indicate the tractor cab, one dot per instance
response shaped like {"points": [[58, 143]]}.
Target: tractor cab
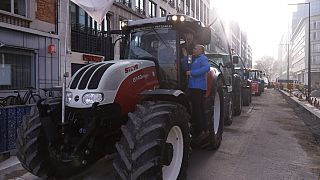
{"points": [[159, 40]]}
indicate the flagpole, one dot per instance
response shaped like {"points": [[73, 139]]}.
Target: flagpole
{"points": [[65, 67]]}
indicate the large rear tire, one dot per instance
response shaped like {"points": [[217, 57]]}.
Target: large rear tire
{"points": [[155, 143], [215, 119], [246, 97], [237, 101]]}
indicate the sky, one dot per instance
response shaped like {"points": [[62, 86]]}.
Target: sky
{"points": [[265, 21]]}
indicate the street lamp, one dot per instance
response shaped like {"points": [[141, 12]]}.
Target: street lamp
{"points": [[288, 62], [309, 50]]}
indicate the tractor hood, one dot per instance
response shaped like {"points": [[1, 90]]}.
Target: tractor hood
{"points": [[99, 82]]}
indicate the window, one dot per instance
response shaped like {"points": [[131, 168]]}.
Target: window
{"points": [[187, 7], [315, 48], [163, 12], [197, 11], [82, 15], [20, 7], [17, 69], [182, 5], [121, 23], [5, 5], [14, 6], [73, 13], [315, 60], [201, 11], [87, 36], [140, 6], [152, 9], [314, 26]]}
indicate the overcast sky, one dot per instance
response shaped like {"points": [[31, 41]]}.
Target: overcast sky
{"points": [[265, 21]]}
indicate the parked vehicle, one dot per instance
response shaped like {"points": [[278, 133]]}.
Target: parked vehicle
{"points": [[257, 83], [224, 64], [243, 72], [136, 106], [246, 85]]}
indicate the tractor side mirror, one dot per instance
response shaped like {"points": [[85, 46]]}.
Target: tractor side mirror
{"points": [[235, 59], [205, 36]]}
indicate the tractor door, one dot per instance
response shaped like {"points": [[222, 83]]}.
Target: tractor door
{"points": [[157, 44]]}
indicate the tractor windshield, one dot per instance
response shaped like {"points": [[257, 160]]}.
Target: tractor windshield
{"points": [[254, 75], [152, 43], [218, 59]]}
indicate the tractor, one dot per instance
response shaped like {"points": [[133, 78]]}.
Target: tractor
{"points": [[136, 106], [257, 83], [243, 72], [232, 98]]}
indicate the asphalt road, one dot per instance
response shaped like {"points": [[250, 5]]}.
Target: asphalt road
{"points": [[267, 141]]}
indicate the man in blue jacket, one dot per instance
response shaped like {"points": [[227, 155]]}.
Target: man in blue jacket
{"points": [[197, 84]]}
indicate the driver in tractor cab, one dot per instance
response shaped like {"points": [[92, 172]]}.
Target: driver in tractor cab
{"points": [[189, 44], [186, 49], [196, 71]]}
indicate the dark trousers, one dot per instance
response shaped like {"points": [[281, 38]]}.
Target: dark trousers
{"points": [[198, 118]]}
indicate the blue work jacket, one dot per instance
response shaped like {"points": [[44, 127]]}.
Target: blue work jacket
{"points": [[198, 68]]}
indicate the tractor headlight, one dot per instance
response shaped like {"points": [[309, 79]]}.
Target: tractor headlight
{"points": [[68, 97], [174, 18], [90, 98]]}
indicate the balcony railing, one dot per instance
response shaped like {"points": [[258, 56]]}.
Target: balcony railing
{"points": [[125, 2], [14, 19], [140, 11], [87, 40]]}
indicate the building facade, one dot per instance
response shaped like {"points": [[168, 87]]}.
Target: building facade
{"points": [[238, 41], [29, 45], [299, 45]]}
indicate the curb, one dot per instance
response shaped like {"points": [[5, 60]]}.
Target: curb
{"points": [[4, 156], [311, 119]]}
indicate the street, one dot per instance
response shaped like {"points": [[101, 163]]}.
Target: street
{"points": [[267, 141]]}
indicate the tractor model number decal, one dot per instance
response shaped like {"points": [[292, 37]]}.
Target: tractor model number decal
{"points": [[141, 76], [131, 68]]}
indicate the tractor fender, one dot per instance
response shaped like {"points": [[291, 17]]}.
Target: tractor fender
{"points": [[212, 78], [167, 95]]}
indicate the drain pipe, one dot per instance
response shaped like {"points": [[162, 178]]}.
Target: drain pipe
{"points": [[65, 74]]}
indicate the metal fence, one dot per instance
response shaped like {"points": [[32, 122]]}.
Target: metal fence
{"points": [[10, 120], [87, 40]]}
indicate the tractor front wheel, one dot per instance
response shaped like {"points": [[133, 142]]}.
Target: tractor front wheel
{"points": [[155, 143], [33, 150]]}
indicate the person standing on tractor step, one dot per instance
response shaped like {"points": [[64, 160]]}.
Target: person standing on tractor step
{"points": [[197, 84], [187, 47]]}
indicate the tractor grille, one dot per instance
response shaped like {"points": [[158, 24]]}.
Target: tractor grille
{"points": [[85, 78], [78, 76], [96, 77]]}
